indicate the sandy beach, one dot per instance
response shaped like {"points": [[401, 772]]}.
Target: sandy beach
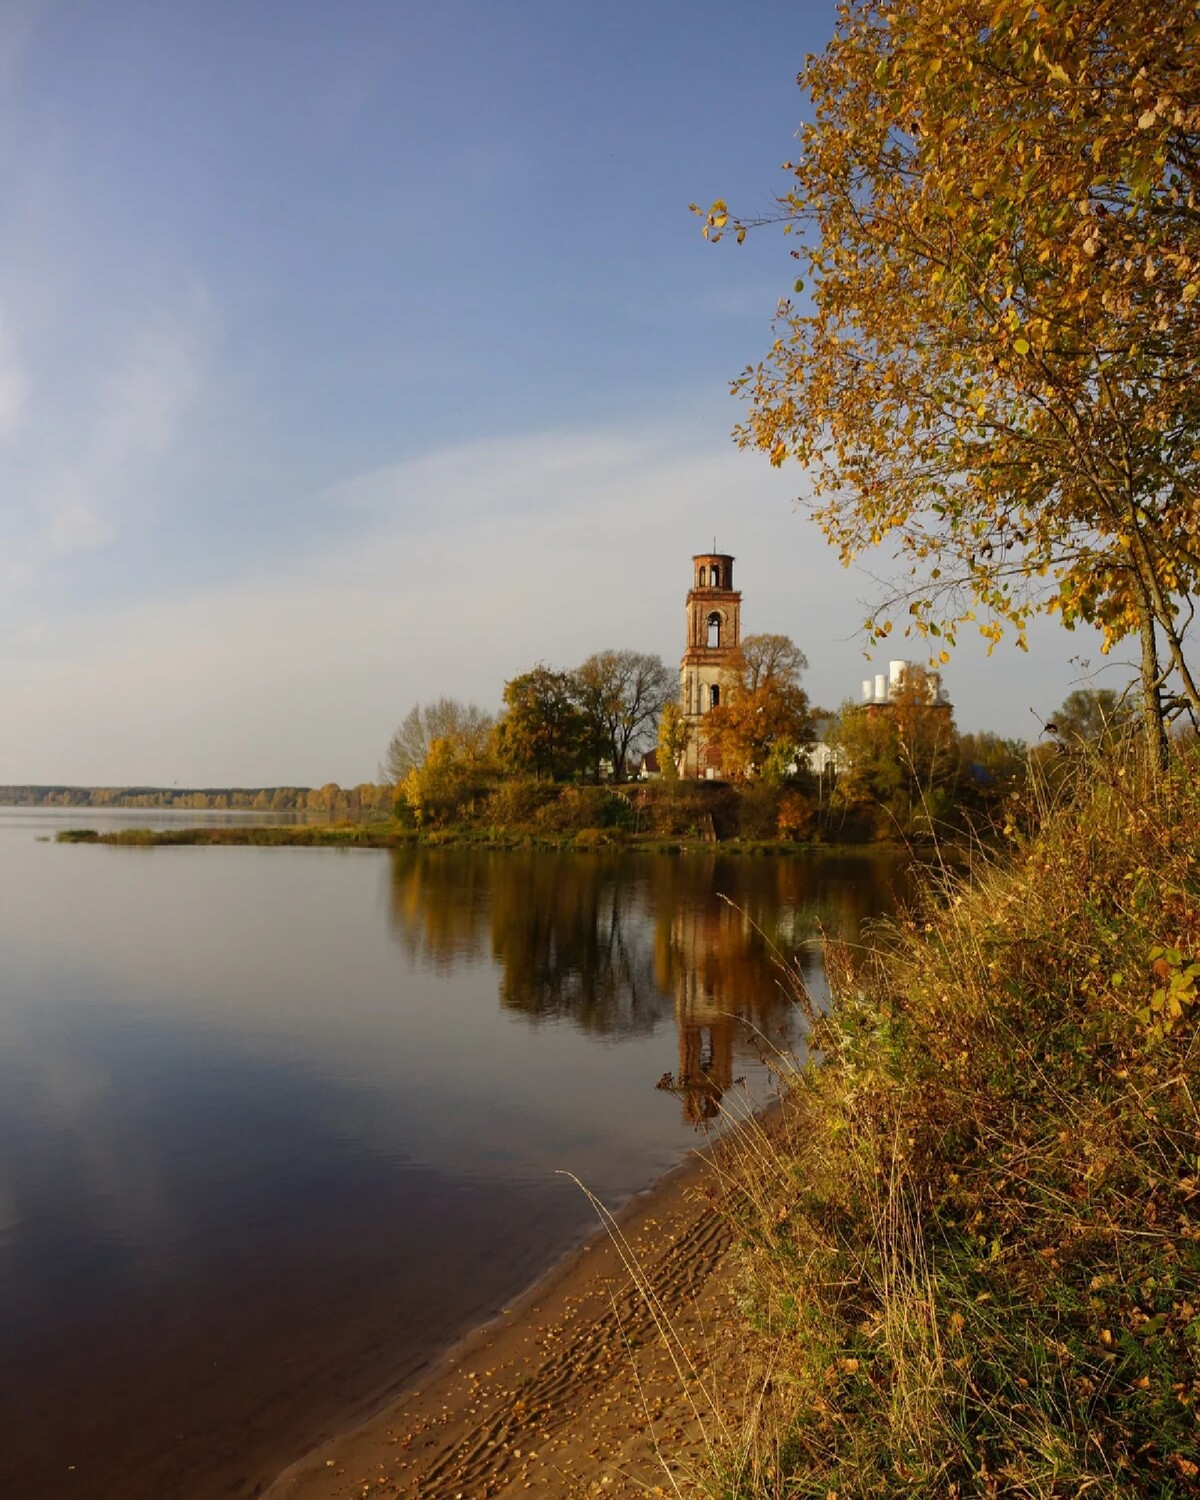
{"points": [[596, 1382]]}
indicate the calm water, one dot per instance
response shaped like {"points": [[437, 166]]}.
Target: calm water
{"points": [[276, 1125]]}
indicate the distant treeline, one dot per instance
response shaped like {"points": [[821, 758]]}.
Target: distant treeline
{"points": [[347, 802]]}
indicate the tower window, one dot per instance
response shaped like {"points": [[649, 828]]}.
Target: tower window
{"points": [[714, 629], [714, 696], [715, 577]]}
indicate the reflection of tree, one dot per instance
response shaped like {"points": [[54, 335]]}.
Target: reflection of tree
{"points": [[571, 933], [439, 904], [574, 939], [615, 942]]}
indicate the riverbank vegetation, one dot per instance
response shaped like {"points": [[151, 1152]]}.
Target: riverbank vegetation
{"points": [[900, 776], [972, 1251]]}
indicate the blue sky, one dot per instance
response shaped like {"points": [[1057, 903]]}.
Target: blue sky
{"points": [[354, 354]]}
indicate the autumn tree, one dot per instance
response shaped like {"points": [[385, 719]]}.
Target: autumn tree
{"points": [[766, 659], [900, 758], [925, 729], [621, 694], [674, 733], [543, 732], [451, 782], [870, 771], [996, 370], [762, 718], [445, 718]]}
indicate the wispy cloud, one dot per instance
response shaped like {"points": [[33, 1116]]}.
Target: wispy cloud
{"points": [[460, 569], [139, 406], [85, 465]]}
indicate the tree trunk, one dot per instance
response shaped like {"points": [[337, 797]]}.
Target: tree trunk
{"points": [[1152, 715]]}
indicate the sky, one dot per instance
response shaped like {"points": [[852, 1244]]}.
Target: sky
{"points": [[352, 355]]}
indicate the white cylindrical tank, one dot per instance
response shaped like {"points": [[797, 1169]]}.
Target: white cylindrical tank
{"points": [[881, 692], [868, 690], [896, 671]]}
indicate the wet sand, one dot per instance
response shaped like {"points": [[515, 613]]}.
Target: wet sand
{"points": [[596, 1382]]}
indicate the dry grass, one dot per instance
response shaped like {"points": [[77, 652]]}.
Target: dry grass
{"points": [[972, 1251]]}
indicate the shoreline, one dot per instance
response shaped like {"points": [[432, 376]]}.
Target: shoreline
{"points": [[540, 1397], [370, 836]]}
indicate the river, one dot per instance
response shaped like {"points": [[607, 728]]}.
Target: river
{"points": [[277, 1125]]}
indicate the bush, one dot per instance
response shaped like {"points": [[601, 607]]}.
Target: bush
{"points": [[516, 803], [758, 810], [797, 816], [584, 807], [973, 1248], [593, 838]]}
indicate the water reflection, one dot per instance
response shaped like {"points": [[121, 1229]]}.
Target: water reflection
{"points": [[275, 1123], [617, 944]]}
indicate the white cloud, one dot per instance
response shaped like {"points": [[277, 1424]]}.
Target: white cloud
{"points": [[459, 570], [86, 446], [86, 501]]}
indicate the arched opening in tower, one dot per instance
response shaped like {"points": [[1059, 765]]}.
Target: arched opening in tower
{"points": [[714, 629]]}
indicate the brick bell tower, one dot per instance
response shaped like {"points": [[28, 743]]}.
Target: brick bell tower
{"points": [[714, 631]]}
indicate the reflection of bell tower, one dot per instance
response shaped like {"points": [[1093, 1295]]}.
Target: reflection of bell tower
{"points": [[705, 1026], [713, 633]]}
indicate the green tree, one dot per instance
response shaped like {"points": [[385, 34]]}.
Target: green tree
{"points": [[543, 732], [990, 766], [1091, 716], [445, 718], [870, 772], [621, 694], [995, 206], [898, 760]]}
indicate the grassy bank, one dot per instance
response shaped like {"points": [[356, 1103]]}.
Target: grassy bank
{"points": [[319, 835], [395, 835], [528, 814], [972, 1255]]}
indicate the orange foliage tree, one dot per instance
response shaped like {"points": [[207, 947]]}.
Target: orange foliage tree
{"points": [[997, 368], [762, 718]]}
